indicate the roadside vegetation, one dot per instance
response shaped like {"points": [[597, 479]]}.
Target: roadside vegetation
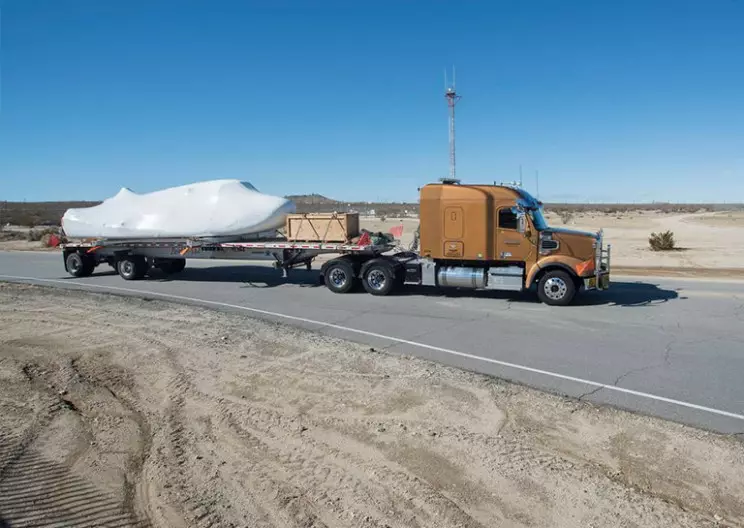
{"points": [[662, 241]]}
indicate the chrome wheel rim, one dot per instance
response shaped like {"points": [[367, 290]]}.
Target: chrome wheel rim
{"points": [[75, 265], [338, 277], [127, 268], [376, 279], [555, 288]]}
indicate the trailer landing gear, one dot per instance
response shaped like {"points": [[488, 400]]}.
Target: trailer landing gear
{"points": [[170, 266]]}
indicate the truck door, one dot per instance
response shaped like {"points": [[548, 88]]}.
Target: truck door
{"points": [[511, 245]]}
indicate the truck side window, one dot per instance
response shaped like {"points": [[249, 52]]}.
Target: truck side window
{"points": [[507, 219]]}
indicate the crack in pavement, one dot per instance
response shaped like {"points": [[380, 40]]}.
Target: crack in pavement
{"points": [[590, 393], [665, 362]]}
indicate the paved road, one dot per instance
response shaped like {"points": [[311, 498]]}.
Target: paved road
{"points": [[668, 347]]}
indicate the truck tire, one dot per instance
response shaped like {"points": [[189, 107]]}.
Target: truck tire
{"points": [[339, 276], [132, 267], [79, 265], [379, 278], [556, 288]]}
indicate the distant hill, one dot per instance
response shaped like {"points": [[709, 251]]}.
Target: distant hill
{"points": [[36, 213], [50, 213], [310, 199]]}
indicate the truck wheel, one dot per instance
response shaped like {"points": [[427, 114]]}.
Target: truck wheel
{"points": [[79, 265], [132, 268], [379, 278], [556, 288], [339, 276]]}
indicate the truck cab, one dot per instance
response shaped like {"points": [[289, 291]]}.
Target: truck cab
{"points": [[496, 237]]}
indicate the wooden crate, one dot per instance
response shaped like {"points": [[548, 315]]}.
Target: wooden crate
{"points": [[324, 227]]}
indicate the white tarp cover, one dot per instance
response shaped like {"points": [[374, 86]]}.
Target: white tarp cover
{"points": [[216, 208]]}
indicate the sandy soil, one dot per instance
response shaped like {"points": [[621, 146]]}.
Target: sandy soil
{"points": [[124, 412], [706, 240], [23, 245]]}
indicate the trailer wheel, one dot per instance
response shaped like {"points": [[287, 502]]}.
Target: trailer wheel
{"points": [[556, 288], [379, 278], [79, 265], [131, 267], [339, 276]]}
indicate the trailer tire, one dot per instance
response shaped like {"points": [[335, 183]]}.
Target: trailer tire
{"points": [[339, 276], [556, 288], [79, 265], [379, 278], [132, 267]]}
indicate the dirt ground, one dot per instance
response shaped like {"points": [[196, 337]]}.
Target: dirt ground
{"points": [[118, 411]]}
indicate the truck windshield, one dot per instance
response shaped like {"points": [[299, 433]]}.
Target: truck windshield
{"points": [[538, 219]]}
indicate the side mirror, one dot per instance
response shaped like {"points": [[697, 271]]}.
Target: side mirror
{"points": [[521, 222]]}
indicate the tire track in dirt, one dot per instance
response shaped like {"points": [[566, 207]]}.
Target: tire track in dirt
{"points": [[37, 491]]}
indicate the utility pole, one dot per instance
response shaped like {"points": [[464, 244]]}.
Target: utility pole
{"points": [[520, 175], [450, 94], [537, 185]]}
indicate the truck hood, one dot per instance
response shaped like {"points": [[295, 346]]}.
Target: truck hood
{"points": [[564, 231], [572, 243]]}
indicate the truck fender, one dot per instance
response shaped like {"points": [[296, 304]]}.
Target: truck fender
{"points": [[355, 263], [552, 262], [397, 266]]}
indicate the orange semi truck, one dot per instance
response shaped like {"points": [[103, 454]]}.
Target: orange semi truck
{"points": [[489, 237]]}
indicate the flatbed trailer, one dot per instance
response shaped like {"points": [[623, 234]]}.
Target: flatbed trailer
{"points": [[132, 259]]}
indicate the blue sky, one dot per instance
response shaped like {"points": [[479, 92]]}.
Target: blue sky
{"points": [[633, 100]]}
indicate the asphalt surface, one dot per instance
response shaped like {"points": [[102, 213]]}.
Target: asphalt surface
{"points": [[672, 348]]}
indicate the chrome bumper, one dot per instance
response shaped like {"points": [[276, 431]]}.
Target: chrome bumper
{"points": [[601, 278]]}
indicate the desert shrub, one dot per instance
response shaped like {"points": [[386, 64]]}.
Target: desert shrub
{"points": [[6, 235], [662, 241], [566, 216], [35, 235]]}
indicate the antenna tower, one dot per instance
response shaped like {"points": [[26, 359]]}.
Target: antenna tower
{"points": [[450, 94]]}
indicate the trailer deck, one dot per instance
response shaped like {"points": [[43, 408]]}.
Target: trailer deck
{"points": [[130, 257]]}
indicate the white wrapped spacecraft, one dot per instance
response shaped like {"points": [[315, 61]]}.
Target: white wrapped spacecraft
{"points": [[217, 208]]}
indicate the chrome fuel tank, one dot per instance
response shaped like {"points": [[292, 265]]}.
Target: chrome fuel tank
{"points": [[457, 277]]}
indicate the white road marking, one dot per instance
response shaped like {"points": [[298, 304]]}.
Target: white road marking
{"points": [[515, 366]]}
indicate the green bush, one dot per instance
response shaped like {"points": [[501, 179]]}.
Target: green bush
{"points": [[662, 241]]}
